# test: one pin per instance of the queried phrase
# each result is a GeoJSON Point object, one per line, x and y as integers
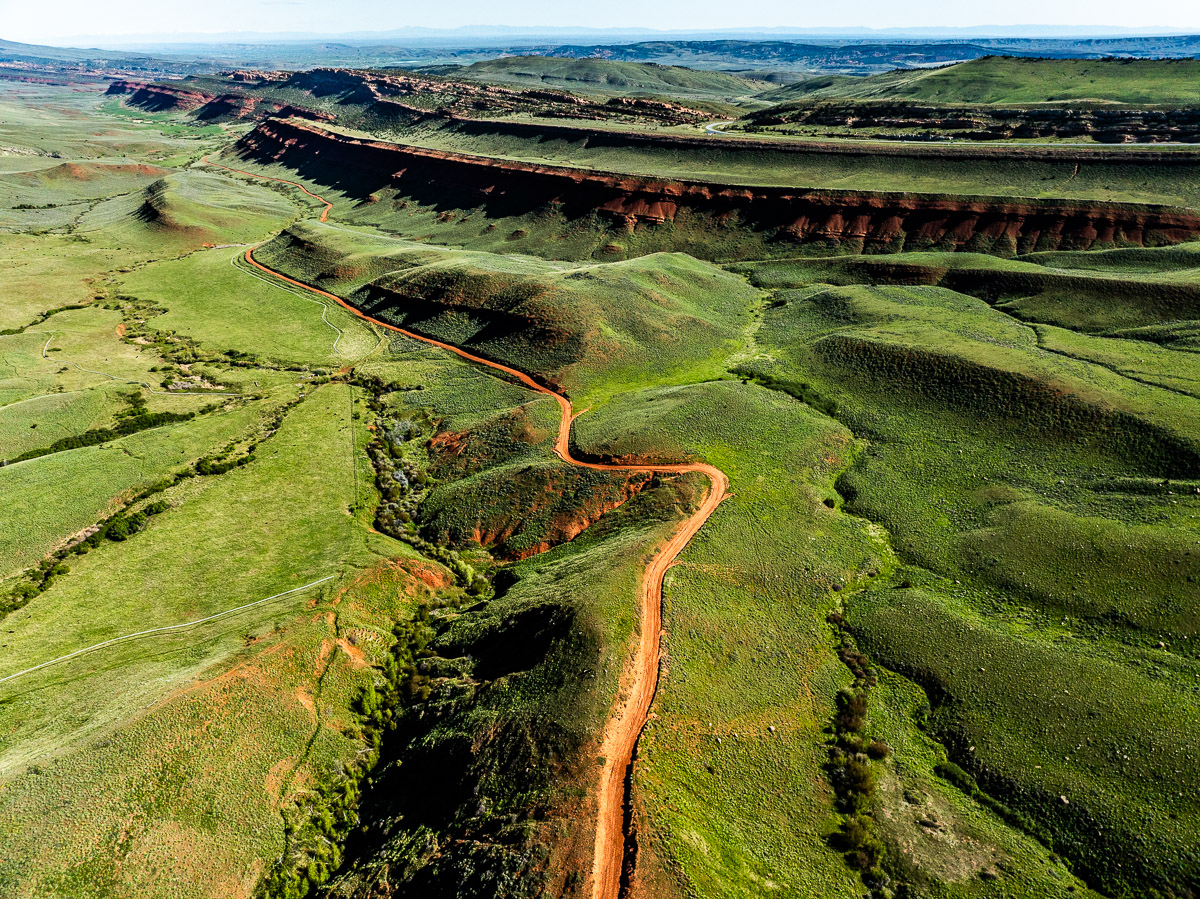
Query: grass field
{"type": "Point", "coordinates": [1000, 176]}
{"type": "Point", "coordinates": [100, 476]}
{"type": "Point", "coordinates": [596, 329]}
{"type": "Point", "coordinates": [608, 77]}
{"type": "Point", "coordinates": [145, 738]}
{"type": "Point", "coordinates": [214, 298]}
{"type": "Point", "coordinates": [751, 679]}
{"type": "Point", "coordinates": [45, 124]}
{"type": "Point", "coordinates": [1053, 553]}
{"type": "Point", "coordinates": [281, 522]}
{"type": "Point", "coordinates": [999, 80]}
{"type": "Point", "coordinates": [723, 579]}
{"type": "Point", "coordinates": [1102, 434]}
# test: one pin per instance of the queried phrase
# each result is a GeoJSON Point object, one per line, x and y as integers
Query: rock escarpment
{"type": "Point", "coordinates": [157, 97]}
{"type": "Point", "coordinates": [855, 220]}
{"type": "Point", "coordinates": [983, 123]}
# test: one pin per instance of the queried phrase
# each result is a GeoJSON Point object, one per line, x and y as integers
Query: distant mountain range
{"type": "Point", "coordinates": [509, 34]}
{"type": "Point", "coordinates": [779, 56]}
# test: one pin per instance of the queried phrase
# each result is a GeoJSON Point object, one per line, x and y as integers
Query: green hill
{"type": "Point", "coordinates": [1012, 80]}
{"type": "Point", "coordinates": [608, 76]}
{"type": "Point", "coordinates": [80, 61]}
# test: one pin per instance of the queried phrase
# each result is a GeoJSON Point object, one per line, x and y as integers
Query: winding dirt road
{"type": "Point", "coordinates": [324, 212]}
{"type": "Point", "coordinates": [615, 847]}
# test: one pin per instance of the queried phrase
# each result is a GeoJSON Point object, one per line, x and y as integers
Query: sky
{"type": "Point", "coordinates": [52, 21]}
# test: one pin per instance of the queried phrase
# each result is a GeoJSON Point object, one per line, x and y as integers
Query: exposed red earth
{"type": "Point", "coordinates": [893, 220]}
{"type": "Point", "coordinates": [615, 848]}
{"type": "Point", "coordinates": [156, 96]}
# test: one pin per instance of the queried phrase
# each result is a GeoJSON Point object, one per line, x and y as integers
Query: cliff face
{"type": "Point", "coordinates": [836, 218]}
{"type": "Point", "coordinates": [403, 96]}
{"type": "Point", "coordinates": [206, 106]}
{"type": "Point", "coordinates": [1110, 126]}
{"type": "Point", "coordinates": [158, 97]}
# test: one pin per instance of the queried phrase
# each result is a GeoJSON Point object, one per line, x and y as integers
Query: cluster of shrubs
{"type": "Point", "coordinates": [211, 465]}
{"type": "Point", "coordinates": [315, 846]}
{"type": "Point", "coordinates": [403, 681]}
{"type": "Point", "coordinates": [124, 524]}
{"type": "Point", "coordinates": [40, 580]}
{"type": "Point", "coordinates": [331, 810]}
{"type": "Point", "coordinates": [182, 350]}
{"type": "Point", "coordinates": [851, 768]}
{"type": "Point", "coordinates": [952, 773]}
{"type": "Point", "coordinates": [401, 485]}
{"type": "Point", "coordinates": [119, 527]}
{"type": "Point", "coordinates": [128, 422]}
{"type": "Point", "coordinates": [42, 316]}
{"type": "Point", "coordinates": [400, 481]}
{"type": "Point", "coordinates": [801, 390]}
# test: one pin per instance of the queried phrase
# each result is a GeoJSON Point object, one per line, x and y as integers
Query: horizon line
{"type": "Point", "coordinates": [1049, 32]}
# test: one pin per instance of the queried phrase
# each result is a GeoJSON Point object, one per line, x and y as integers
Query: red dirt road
{"type": "Point", "coordinates": [640, 678]}
{"type": "Point", "coordinates": [324, 212]}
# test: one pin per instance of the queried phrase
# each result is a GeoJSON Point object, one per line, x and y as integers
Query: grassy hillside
{"type": "Point", "coordinates": [787, 461]}
{"type": "Point", "coordinates": [595, 329]}
{"type": "Point", "coordinates": [995, 174]}
{"type": "Point", "coordinates": [1007, 80]}
{"type": "Point", "coordinates": [1028, 527]}
{"type": "Point", "coordinates": [607, 76]}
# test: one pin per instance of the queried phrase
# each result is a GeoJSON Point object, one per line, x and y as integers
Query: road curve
{"type": "Point", "coordinates": [640, 678]}
{"type": "Point", "coordinates": [319, 199]}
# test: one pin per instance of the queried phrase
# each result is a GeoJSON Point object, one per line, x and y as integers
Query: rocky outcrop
{"type": "Point", "coordinates": [1105, 125]}
{"type": "Point", "coordinates": [159, 97]}
{"type": "Point", "coordinates": [800, 148]}
{"type": "Point", "coordinates": [410, 95]}
{"type": "Point", "coordinates": [205, 106]}
{"type": "Point", "coordinates": [853, 219]}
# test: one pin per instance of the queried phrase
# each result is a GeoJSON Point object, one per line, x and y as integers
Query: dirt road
{"type": "Point", "coordinates": [324, 212]}
{"type": "Point", "coordinates": [640, 678]}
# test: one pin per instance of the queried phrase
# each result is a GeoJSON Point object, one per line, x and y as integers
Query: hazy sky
{"type": "Point", "coordinates": [47, 20]}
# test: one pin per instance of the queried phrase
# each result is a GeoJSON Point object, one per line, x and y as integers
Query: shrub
{"type": "Point", "coordinates": [852, 711]}
{"type": "Point", "coordinates": [957, 776]}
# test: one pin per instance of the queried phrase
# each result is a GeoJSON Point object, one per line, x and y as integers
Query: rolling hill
{"type": "Point", "coordinates": [607, 76]}
{"type": "Point", "coordinates": [1019, 81]}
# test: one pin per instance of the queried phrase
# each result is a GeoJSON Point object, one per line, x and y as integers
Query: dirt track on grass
{"type": "Point", "coordinates": [616, 843]}
{"type": "Point", "coordinates": [324, 212]}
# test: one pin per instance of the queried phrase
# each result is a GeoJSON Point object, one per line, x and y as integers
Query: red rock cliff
{"type": "Point", "coordinates": [854, 218]}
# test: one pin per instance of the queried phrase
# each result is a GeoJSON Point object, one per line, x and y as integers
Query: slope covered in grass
{"type": "Point", "coordinates": [593, 328]}
{"type": "Point", "coordinates": [751, 680]}
{"type": "Point", "coordinates": [187, 209]}
{"type": "Point", "coordinates": [607, 76]}
{"type": "Point", "coordinates": [215, 298]}
{"type": "Point", "coordinates": [1008, 80]}
{"type": "Point", "coordinates": [1046, 559]}
{"type": "Point", "coordinates": [963, 528]}
{"type": "Point", "coordinates": [280, 522]}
